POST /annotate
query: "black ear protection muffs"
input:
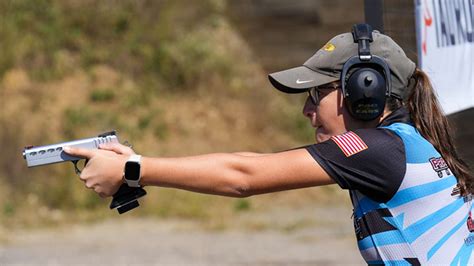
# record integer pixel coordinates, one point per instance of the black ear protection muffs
(365, 78)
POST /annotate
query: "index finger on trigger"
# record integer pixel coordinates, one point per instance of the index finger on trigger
(79, 152)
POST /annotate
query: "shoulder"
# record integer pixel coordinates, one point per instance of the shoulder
(361, 144)
(417, 147)
(369, 160)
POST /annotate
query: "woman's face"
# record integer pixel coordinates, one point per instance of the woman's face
(329, 117)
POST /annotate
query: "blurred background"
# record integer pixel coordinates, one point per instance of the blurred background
(173, 78)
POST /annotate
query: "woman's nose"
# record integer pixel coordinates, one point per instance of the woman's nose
(309, 108)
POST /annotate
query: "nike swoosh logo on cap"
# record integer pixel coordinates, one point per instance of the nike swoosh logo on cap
(298, 81)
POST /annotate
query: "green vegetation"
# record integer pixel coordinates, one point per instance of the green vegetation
(242, 205)
(172, 76)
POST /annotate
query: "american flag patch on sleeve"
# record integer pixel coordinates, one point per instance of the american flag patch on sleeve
(350, 143)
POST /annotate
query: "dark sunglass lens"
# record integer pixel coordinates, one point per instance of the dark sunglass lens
(313, 95)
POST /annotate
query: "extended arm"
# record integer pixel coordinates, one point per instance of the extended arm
(236, 175)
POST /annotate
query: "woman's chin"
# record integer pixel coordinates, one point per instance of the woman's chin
(321, 135)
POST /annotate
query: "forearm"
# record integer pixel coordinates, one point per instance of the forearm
(221, 174)
(249, 154)
(236, 175)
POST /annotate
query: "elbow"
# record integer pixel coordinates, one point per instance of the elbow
(238, 177)
(237, 187)
(242, 190)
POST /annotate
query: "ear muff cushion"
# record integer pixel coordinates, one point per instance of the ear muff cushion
(366, 91)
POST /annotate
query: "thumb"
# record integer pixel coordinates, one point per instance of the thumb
(79, 152)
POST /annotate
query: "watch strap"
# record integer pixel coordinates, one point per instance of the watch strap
(134, 158)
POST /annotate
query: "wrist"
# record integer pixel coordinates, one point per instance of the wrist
(144, 171)
(132, 170)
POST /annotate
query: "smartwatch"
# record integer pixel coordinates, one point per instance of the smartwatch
(131, 172)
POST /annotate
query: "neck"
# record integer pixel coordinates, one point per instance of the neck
(370, 124)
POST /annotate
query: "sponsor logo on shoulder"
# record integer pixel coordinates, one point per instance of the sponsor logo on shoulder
(439, 165)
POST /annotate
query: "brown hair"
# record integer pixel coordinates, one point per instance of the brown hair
(430, 121)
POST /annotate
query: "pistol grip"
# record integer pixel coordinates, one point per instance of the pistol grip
(126, 198)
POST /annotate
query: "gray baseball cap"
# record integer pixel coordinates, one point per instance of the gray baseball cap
(326, 64)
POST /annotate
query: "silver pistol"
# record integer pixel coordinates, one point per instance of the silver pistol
(125, 199)
(48, 154)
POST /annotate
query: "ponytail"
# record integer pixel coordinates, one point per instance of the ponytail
(430, 121)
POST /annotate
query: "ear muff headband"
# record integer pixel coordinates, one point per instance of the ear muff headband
(365, 78)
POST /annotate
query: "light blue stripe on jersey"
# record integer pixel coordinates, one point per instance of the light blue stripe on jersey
(389, 262)
(381, 239)
(445, 238)
(462, 258)
(417, 149)
(420, 191)
(366, 205)
(415, 230)
(397, 221)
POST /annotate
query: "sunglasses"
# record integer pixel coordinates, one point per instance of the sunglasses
(315, 93)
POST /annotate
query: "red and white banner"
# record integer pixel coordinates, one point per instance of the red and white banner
(445, 33)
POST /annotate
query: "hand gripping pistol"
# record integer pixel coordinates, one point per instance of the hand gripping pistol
(126, 197)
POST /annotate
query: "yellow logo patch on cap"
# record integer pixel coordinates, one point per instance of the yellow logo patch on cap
(329, 47)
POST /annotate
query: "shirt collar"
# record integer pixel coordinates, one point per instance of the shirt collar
(401, 115)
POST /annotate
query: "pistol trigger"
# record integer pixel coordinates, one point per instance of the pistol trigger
(76, 169)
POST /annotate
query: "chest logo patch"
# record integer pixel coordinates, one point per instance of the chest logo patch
(350, 143)
(439, 165)
(470, 223)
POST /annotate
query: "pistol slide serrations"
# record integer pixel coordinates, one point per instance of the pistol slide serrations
(48, 154)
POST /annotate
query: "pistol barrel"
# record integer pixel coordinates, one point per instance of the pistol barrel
(49, 154)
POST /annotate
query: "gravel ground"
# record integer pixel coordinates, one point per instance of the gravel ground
(135, 241)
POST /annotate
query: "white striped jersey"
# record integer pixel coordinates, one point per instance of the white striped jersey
(400, 186)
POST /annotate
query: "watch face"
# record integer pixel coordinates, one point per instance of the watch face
(132, 170)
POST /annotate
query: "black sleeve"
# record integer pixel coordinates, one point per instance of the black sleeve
(375, 165)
